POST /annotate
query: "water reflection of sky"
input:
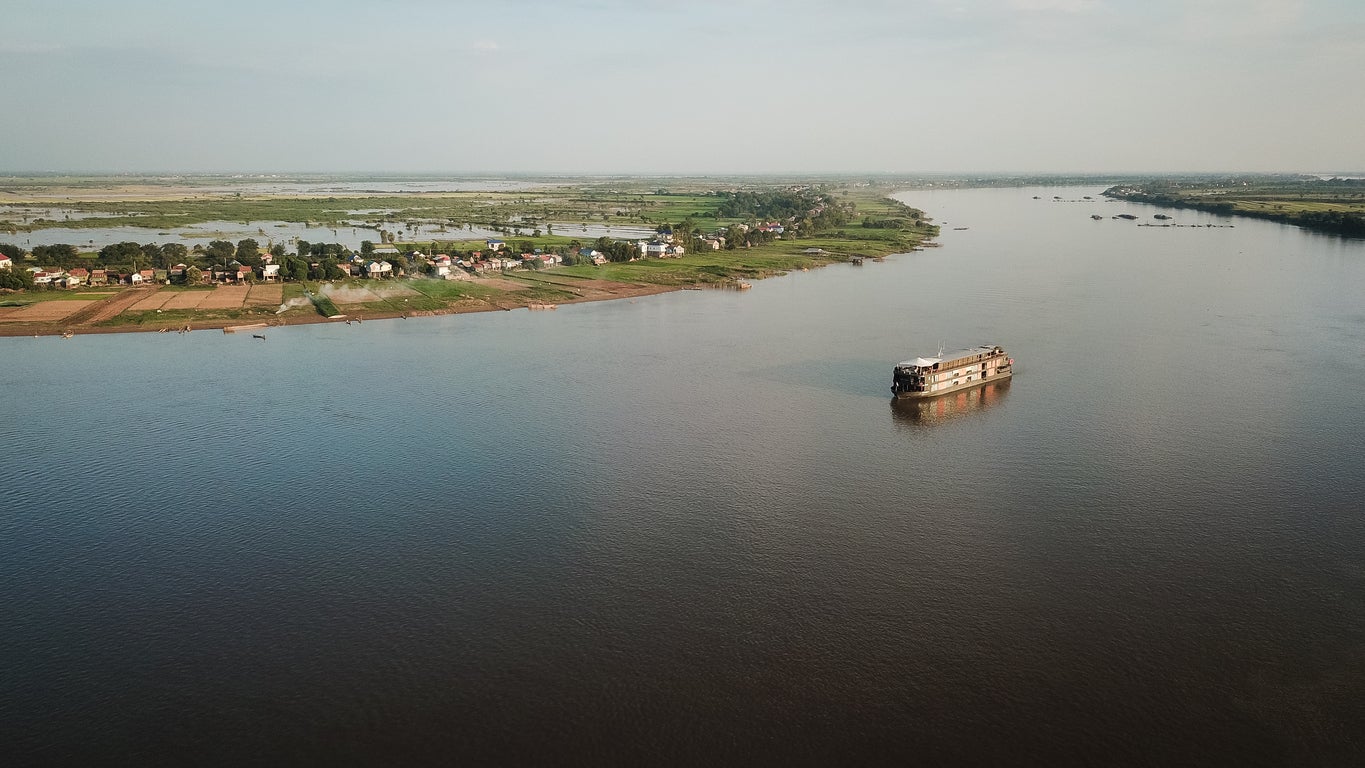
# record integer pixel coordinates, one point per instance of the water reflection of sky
(349, 234)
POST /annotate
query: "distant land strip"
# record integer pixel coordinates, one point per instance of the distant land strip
(1334, 205)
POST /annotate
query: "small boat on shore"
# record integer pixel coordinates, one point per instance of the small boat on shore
(248, 327)
(925, 377)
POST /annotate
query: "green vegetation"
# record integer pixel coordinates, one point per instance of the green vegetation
(1326, 205)
(324, 305)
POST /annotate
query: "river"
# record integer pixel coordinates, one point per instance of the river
(693, 528)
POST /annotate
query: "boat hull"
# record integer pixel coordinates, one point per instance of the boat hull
(1002, 376)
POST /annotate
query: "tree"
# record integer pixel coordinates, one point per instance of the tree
(194, 275)
(174, 253)
(16, 279)
(11, 250)
(120, 253)
(219, 251)
(277, 250)
(295, 268)
(249, 252)
(366, 248)
(60, 255)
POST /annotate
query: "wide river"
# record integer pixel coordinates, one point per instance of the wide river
(693, 528)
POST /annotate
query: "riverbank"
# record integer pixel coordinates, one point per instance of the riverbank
(1335, 206)
(129, 310)
(178, 322)
(856, 222)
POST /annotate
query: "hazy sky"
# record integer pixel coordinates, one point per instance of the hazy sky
(683, 86)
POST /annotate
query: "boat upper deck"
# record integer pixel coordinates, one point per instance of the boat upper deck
(954, 359)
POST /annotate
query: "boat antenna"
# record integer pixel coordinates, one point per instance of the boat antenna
(940, 349)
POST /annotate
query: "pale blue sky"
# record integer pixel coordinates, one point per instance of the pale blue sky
(686, 86)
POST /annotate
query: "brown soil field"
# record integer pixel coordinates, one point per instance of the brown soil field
(115, 305)
(43, 311)
(184, 299)
(155, 301)
(269, 295)
(225, 297)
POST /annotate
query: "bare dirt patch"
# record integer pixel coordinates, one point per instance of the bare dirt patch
(225, 297)
(43, 311)
(115, 305)
(185, 299)
(268, 295)
(155, 301)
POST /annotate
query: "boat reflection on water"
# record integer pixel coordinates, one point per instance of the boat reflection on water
(941, 410)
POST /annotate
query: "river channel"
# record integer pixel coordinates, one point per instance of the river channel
(693, 528)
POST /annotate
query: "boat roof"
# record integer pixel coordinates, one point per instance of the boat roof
(923, 362)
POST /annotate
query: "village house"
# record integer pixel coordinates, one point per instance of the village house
(5, 261)
(99, 276)
(245, 273)
(178, 271)
(270, 272)
(135, 278)
(496, 245)
(378, 269)
(81, 274)
(658, 249)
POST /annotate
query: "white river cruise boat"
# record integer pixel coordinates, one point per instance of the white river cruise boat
(953, 372)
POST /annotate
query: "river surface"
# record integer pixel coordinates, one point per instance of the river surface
(693, 528)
